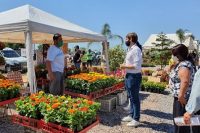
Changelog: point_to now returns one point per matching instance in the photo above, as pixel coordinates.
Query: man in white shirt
(133, 66)
(55, 66)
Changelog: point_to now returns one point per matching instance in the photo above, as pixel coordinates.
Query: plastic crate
(122, 97)
(26, 121)
(9, 101)
(108, 103)
(54, 128)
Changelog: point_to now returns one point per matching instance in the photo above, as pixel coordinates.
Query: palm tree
(119, 37)
(106, 31)
(181, 35)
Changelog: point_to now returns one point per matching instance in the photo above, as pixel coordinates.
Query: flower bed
(68, 112)
(89, 83)
(97, 94)
(8, 90)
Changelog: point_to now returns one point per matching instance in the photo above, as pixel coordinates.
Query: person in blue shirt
(193, 105)
(55, 66)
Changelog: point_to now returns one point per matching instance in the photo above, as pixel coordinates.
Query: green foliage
(84, 87)
(153, 86)
(181, 35)
(161, 53)
(74, 113)
(15, 46)
(148, 65)
(116, 57)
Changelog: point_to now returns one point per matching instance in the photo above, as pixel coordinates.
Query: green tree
(181, 35)
(106, 31)
(116, 57)
(161, 52)
(15, 46)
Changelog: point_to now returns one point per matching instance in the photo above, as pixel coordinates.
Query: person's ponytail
(139, 45)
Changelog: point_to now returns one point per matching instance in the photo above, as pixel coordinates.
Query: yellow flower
(49, 109)
(63, 97)
(41, 92)
(85, 100)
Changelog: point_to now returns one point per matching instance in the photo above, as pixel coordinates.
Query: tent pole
(106, 56)
(30, 65)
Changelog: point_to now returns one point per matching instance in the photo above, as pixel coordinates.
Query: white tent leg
(30, 65)
(106, 56)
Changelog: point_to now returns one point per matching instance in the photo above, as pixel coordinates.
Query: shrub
(116, 57)
(153, 86)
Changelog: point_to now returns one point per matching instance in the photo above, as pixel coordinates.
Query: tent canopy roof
(16, 21)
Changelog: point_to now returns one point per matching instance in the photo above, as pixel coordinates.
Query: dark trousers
(57, 85)
(89, 63)
(132, 84)
(179, 110)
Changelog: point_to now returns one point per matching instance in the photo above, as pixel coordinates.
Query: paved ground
(156, 117)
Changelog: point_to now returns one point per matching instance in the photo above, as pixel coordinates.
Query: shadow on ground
(143, 96)
(159, 114)
(161, 127)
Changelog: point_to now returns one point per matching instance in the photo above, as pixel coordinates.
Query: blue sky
(141, 16)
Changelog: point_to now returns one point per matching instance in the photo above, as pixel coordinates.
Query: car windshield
(10, 53)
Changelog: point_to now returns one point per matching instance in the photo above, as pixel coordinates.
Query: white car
(13, 60)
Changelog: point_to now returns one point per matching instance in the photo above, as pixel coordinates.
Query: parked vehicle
(13, 61)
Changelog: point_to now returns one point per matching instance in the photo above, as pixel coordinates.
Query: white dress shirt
(134, 58)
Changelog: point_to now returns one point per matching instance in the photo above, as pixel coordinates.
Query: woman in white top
(132, 66)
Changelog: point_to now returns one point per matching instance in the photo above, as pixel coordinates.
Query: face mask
(60, 44)
(128, 43)
(175, 59)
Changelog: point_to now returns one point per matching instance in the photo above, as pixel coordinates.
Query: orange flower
(90, 102)
(71, 111)
(55, 105)
(75, 105)
(55, 101)
(84, 109)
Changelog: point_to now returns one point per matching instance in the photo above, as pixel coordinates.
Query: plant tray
(26, 121)
(98, 94)
(9, 101)
(54, 128)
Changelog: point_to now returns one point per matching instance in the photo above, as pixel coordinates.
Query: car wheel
(8, 69)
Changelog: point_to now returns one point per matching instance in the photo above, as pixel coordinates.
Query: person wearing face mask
(55, 66)
(181, 79)
(132, 66)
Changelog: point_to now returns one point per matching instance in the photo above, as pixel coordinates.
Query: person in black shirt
(76, 58)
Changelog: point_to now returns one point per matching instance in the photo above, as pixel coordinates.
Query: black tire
(7, 68)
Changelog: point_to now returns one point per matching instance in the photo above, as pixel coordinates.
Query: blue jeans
(132, 84)
(77, 65)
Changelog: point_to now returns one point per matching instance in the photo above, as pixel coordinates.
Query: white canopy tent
(30, 25)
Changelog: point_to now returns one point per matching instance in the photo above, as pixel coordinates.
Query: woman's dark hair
(83, 52)
(134, 38)
(181, 52)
